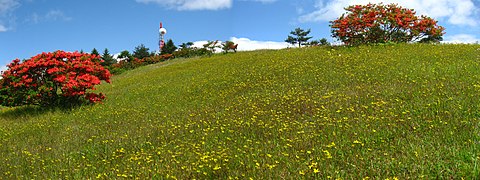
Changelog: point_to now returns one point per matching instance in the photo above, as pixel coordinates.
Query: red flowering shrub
(135, 63)
(56, 78)
(378, 23)
(128, 65)
(157, 58)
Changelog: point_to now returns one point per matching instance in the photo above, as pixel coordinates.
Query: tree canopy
(141, 52)
(229, 45)
(169, 47)
(186, 45)
(299, 37)
(379, 23)
(107, 58)
(125, 55)
(95, 52)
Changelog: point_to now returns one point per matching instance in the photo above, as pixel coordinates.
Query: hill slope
(406, 111)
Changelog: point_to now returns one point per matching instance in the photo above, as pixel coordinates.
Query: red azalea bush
(157, 58)
(135, 63)
(127, 65)
(378, 23)
(50, 79)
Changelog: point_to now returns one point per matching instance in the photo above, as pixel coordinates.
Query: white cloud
(461, 38)
(456, 12)
(199, 44)
(6, 7)
(245, 44)
(3, 28)
(115, 56)
(262, 1)
(192, 4)
(55, 15)
(52, 15)
(2, 69)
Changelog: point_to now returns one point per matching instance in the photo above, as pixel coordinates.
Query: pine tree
(300, 36)
(125, 55)
(107, 58)
(169, 47)
(186, 45)
(95, 52)
(141, 52)
(324, 42)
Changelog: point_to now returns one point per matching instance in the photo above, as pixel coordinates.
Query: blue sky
(29, 27)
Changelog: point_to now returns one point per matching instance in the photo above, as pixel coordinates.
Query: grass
(381, 112)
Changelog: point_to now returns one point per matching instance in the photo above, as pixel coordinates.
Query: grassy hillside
(402, 111)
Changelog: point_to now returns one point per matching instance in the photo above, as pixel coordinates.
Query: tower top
(162, 30)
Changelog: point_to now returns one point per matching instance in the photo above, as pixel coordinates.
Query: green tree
(107, 58)
(141, 52)
(299, 37)
(324, 42)
(125, 55)
(321, 42)
(210, 46)
(169, 47)
(95, 52)
(186, 45)
(313, 43)
(229, 45)
(431, 39)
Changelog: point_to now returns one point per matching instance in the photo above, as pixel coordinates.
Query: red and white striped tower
(162, 31)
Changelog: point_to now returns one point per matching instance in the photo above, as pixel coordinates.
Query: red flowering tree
(50, 79)
(379, 23)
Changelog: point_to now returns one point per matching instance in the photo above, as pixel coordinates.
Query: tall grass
(401, 111)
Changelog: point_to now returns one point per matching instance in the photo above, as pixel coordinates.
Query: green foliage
(321, 42)
(169, 47)
(186, 45)
(404, 111)
(95, 52)
(157, 59)
(186, 50)
(107, 58)
(324, 42)
(229, 45)
(431, 39)
(118, 69)
(299, 37)
(314, 43)
(123, 66)
(184, 53)
(141, 52)
(211, 46)
(192, 52)
(126, 55)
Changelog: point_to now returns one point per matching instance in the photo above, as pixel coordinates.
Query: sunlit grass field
(373, 112)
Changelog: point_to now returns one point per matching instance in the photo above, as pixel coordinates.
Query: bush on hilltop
(53, 79)
(379, 23)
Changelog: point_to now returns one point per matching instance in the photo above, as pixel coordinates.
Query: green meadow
(407, 111)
